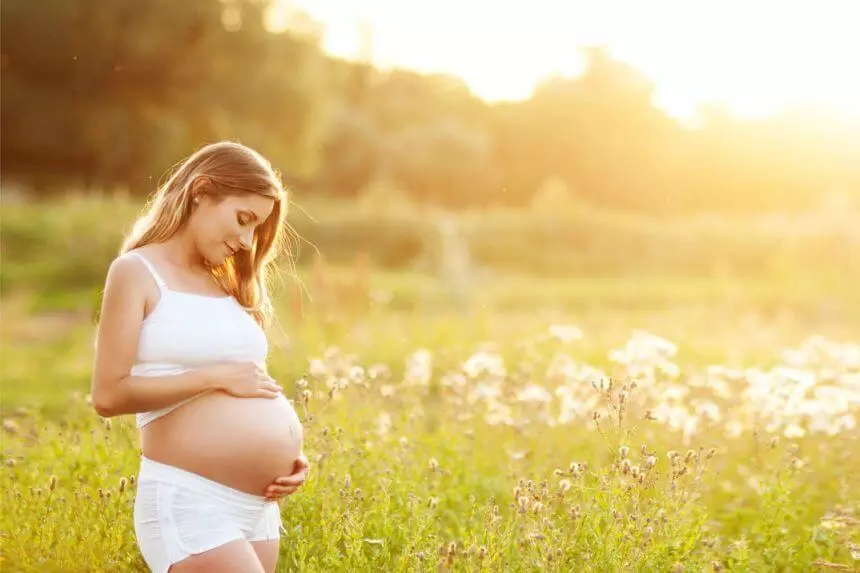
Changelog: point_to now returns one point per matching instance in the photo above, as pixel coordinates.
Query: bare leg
(267, 553)
(237, 556)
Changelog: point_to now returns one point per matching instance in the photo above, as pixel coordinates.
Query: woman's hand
(288, 485)
(243, 380)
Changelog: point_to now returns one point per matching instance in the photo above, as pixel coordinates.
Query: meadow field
(510, 421)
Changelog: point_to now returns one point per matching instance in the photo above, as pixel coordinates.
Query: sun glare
(754, 58)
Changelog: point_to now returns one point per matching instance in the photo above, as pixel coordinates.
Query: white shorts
(178, 513)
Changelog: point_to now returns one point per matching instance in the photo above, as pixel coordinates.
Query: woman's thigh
(267, 553)
(237, 556)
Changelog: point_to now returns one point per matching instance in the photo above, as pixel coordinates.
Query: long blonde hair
(228, 168)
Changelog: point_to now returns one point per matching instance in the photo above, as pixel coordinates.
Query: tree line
(100, 94)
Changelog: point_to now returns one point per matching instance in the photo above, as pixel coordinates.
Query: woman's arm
(114, 391)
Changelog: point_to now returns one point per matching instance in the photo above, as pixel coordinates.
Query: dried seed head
(716, 566)
(711, 453)
(644, 450)
(10, 463)
(650, 462)
(624, 451)
(432, 503)
(482, 552)
(434, 465)
(420, 556)
(347, 481)
(53, 483)
(122, 484)
(625, 467)
(523, 503)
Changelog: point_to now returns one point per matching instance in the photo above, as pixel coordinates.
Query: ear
(199, 188)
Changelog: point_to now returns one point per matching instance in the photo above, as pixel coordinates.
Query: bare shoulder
(125, 272)
(129, 281)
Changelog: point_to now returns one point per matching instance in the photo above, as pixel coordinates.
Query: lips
(230, 250)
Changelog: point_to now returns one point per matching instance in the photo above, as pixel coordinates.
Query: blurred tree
(351, 153)
(445, 163)
(599, 132)
(108, 93)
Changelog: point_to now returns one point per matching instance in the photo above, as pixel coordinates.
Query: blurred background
(450, 155)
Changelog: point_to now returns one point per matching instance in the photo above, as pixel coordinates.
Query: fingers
(262, 374)
(296, 479)
(275, 492)
(270, 389)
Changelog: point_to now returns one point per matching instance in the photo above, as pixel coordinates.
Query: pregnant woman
(181, 345)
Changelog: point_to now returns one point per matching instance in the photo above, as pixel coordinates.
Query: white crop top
(186, 331)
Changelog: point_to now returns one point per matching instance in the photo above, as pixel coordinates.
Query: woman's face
(221, 226)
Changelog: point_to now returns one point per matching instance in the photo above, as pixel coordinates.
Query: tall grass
(519, 459)
(659, 422)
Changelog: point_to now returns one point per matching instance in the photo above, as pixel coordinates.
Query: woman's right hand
(243, 380)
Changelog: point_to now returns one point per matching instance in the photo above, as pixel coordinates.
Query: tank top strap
(151, 267)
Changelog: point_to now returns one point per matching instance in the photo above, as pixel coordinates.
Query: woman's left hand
(288, 485)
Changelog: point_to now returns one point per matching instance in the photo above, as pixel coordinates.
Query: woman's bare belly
(243, 443)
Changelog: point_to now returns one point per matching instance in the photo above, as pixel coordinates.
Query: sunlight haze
(754, 57)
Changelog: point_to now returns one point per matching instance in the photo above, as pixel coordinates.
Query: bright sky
(755, 56)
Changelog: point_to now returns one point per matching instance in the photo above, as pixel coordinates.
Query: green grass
(414, 474)
(491, 459)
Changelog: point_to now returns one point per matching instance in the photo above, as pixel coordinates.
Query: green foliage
(105, 94)
(123, 90)
(55, 245)
(407, 477)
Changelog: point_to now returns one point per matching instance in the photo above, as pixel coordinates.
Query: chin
(214, 260)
